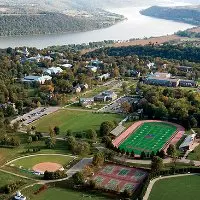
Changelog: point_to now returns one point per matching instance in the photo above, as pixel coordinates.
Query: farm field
(58, 193)
(33, 160)
(179, 188)
(119, 178)
(150, 136)
(74, 120)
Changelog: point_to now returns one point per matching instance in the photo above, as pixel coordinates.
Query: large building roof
(188, 141)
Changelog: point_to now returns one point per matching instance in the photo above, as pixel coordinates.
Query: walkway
(148, 162)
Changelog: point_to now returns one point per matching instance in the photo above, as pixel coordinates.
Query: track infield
(147, 136)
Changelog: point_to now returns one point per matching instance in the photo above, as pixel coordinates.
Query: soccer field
(76, 121)
(150, 136)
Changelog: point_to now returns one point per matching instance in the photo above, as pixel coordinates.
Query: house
(104, 77)
(92, 68)
(150, 65)
(106, 96)
(134, 73)
(188, 142)
(77, 89)
(184, 68)
(67, 66)
(19, 196)
(84, 102)
(53, 70)
(188, 83)
(40, 79)
(84, 86)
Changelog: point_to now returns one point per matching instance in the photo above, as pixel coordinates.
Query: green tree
(91, 134)
(78, 178)
(98, 159)
(142, 155)
(56, 130)
(29, 140)
(106, 128)
(171, 150)
(156, 164)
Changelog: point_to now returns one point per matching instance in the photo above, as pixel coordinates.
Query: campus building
(106, 96)
(40, 79)
(161, 79)
(188, 142)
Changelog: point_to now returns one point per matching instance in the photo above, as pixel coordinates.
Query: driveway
(79, 166)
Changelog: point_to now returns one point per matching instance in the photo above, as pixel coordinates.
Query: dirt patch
(47, 166)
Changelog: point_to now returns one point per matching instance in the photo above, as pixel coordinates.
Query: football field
(150, 136)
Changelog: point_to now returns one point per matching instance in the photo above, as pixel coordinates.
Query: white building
(66, 65)
(188, 142)
(104, 76)
(92, 68)
(53, 70)
(19, 196)
(40, 79)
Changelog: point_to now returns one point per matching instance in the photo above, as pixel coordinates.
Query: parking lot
(35, 114)
(115, 106)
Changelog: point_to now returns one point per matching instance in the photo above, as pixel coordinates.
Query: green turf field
(178, 188)
(61, 194)
(74, 120)
(150, 136)
(31, 161)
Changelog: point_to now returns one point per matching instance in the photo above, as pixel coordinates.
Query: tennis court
(150, 136)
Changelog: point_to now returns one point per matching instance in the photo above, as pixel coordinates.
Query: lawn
(74, 120)
(150, 136)
(7, 179)
(58, 193)
(195, 155)
(179, 188)
(33, 160)
(7, 154)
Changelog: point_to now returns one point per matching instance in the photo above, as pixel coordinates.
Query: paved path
(14, 174)
(28, 156)
(152, 182)
(79, 166)
(148, 162)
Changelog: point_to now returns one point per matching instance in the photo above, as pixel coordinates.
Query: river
(136, 26)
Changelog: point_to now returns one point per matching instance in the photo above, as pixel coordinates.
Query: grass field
(7, 179)
(7, 154)
(150, 136)
(195, 155)
(60, 194)
(74, 120)
(31, 161)
(179, 188)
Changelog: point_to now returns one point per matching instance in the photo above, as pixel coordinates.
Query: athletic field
(177, 188)
(150, 136)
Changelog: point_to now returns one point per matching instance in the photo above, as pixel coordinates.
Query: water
(137, 26)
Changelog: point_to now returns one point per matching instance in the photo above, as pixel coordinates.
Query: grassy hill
(189, 14)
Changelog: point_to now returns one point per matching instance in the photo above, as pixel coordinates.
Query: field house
(149, 136)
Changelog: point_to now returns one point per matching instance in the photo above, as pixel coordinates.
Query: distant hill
(189, 14)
